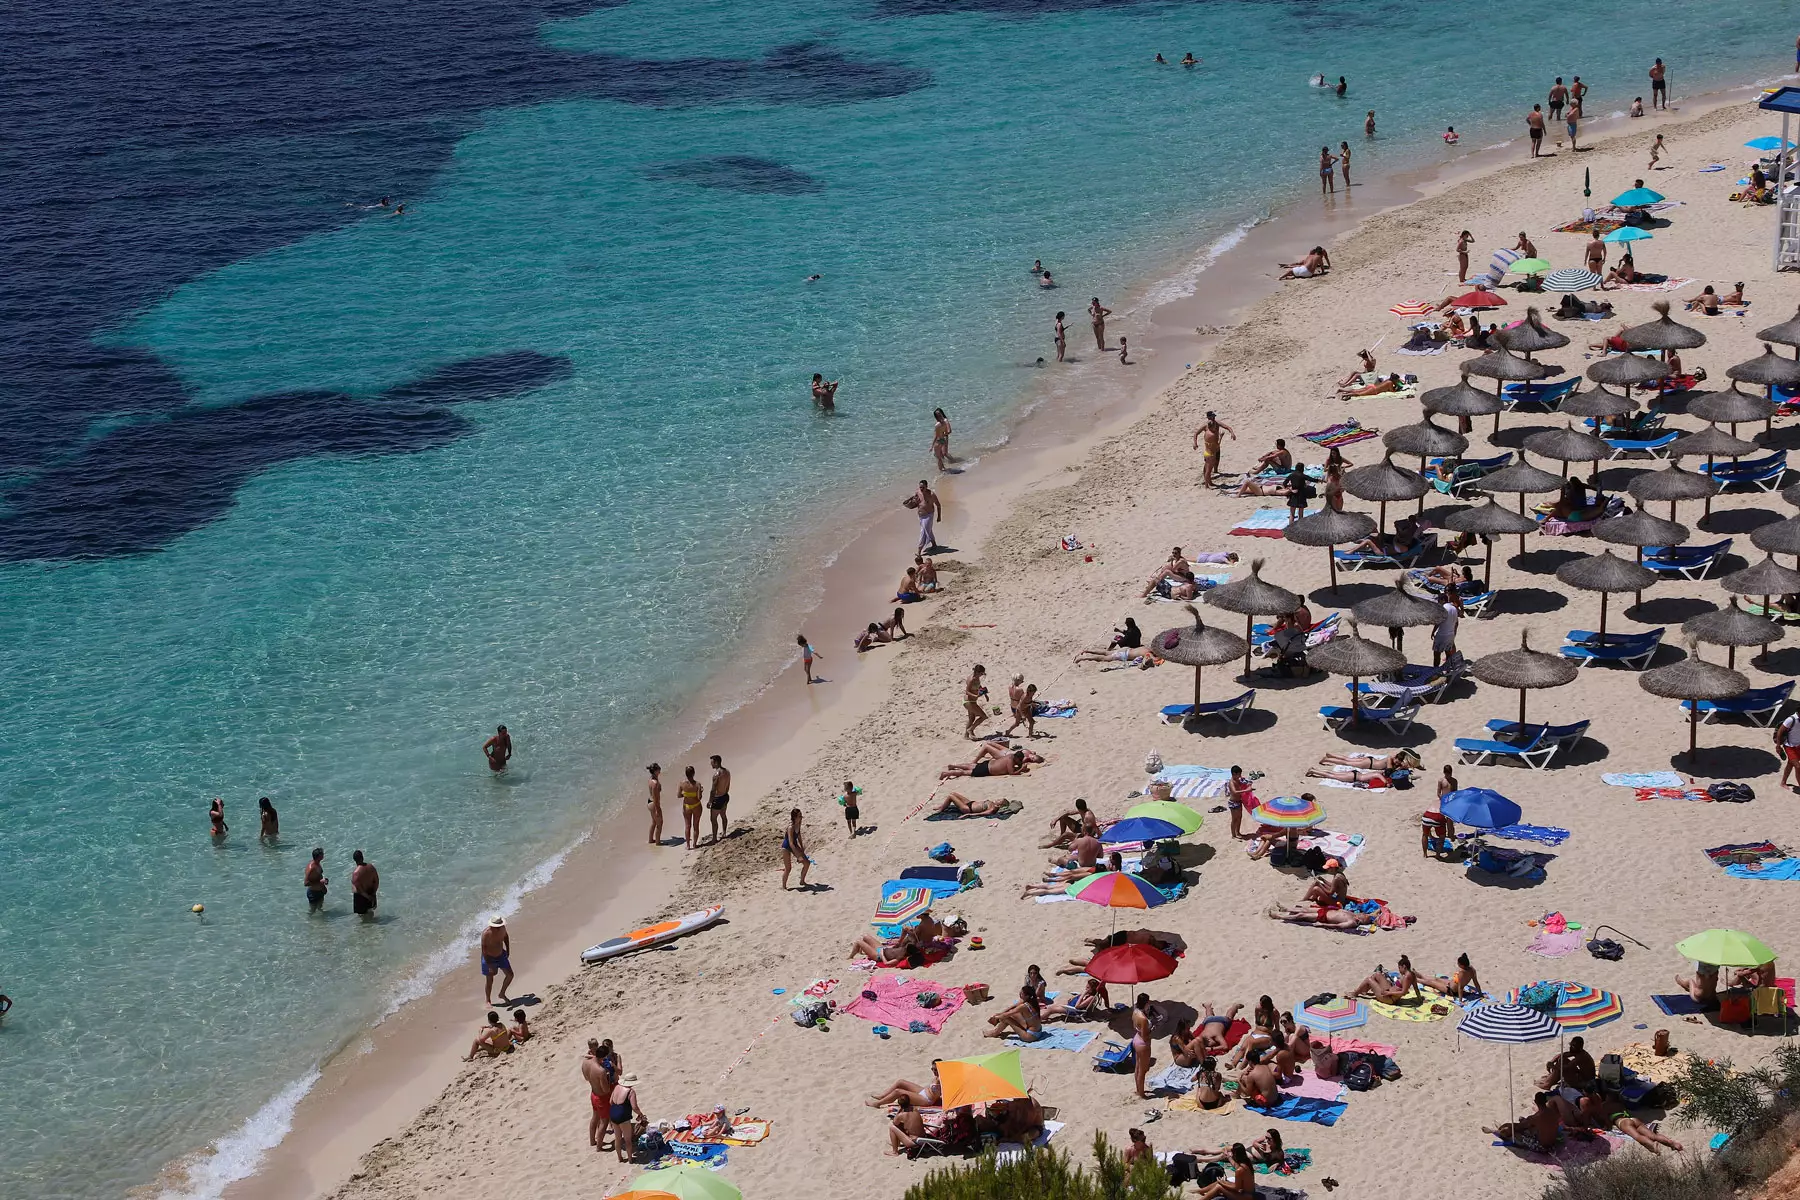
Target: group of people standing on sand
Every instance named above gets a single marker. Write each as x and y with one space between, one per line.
714 799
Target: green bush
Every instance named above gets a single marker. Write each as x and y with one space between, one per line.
1640 1177
1046 1174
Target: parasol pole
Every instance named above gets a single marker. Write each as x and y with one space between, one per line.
1196 690
1248 629
1521 706
1331 561
1603 618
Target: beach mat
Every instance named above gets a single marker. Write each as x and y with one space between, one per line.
1344 433
1058 1039
1265 522
1554 945
1303 1109
1643 779
1682 1005
1415 1011
896 1003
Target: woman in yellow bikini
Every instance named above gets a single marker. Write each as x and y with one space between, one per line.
691 792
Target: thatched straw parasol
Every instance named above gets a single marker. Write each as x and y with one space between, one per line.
1330 527
1783 537
1494 521
1732 627
1694 679
1767 369
1463 400
1766 578
1731 407
1382 482
1397 610
1506 367
1605 572
1672 484
1198 647
1786 334
1641 529
1425 438
1567 445
1521 477
1530 336
1598 402
1524 670
1662 333
1356 656
1712 442
1252 596
1792 494
1627 370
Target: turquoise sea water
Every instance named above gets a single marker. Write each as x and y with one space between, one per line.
576 560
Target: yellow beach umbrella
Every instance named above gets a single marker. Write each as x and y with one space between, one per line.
980 1079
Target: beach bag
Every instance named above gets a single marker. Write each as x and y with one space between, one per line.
910 502
1541 996
1324 1061
650 1147
1730 792
1606 948
1359 1077
1611 1070
1153 763
811 1013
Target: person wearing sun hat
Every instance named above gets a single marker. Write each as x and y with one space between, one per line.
496 959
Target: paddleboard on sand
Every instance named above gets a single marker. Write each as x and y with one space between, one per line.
652 935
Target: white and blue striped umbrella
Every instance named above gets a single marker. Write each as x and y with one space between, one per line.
1511 1023
1570 279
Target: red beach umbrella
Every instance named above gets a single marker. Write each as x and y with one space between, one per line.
1130 964
1478 299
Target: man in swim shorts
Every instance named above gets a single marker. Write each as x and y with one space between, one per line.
365 881
1534 125
1209 456
314 881
931 509
719 797
496 959
498 749
594 1069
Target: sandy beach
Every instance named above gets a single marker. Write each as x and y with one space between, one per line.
701 1023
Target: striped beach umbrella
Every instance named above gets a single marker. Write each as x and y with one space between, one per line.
1291 812
1179 815
1570 279
902 905
981 1079
1117 889
1411 308
1513 1025
1334 1016
1578 1006
1140 829
687 1181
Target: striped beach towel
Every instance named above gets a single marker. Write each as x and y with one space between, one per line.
1343 433
1265 522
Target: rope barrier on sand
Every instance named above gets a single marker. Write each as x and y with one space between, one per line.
739 1061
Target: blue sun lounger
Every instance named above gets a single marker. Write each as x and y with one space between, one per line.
1762 473
1689 562
1356 560
1655 446
1550 395
1467 471
1634 650
1397 719
1564 735
1761 705
1232 710
1535 752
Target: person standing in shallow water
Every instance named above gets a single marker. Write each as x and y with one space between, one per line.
940 438
1344 162
365 881
1098 314
216 814
656 816
498 749
312 878
271 821
1062 338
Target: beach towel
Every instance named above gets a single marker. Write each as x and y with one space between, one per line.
1265 522
1549 835
1782 869
1554 945
1313 1088
1668 285
1414 1010
1744 852
1007 1151
1683 1005
1572 1152
1303 1109
1644 779
711 1155
943 874
941 889
1174 1079
1343 1045
745 1131
1057 708
1202 583
1193 783
1294 1160
1058 1039
1345 847
1189 1104
896 1003
1671 793
1600 225
1344 433
1006 810
1058 898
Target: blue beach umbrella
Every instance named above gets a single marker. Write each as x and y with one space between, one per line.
1627 233
1140 829
1765 143
1480 808
1637 197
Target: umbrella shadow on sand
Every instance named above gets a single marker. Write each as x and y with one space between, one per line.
1543 562
1257 720
1527 601
1780 662
1347 594
1372 734
1513 436
1727 762
1785 438
1672 610
1507 883
1738 520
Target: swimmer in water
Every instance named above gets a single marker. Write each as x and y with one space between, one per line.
498 749
1450 138
1342 87
814 278
1037 266
1044 280
1189 60
824 394
399 210
217 815
1161 59
385 202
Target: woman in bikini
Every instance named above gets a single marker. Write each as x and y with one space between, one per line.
1597 1112
1023 1020
1141 1058
1266 1150
1376 769
974 692
965 807
1092 1002
1209 1085
1379 986
940 438
1296 1054
928 1096
992 759
1327 180
1239 798
1463 983
793 846
690 793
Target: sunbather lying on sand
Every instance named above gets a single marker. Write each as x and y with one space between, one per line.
1023 1020
1266 1150
1379 986
1379 388
1597 1112
1092 1001
1062 874
992 759
1314 914
1250 485
1463 982
928 1095
910 947
965 807
1136 655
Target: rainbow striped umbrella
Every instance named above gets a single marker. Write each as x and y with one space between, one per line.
1333 1016
1290 812
1578 1006
1411 308
1117 889
902 905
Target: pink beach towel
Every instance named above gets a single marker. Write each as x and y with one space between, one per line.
896 1003
1554 945
1314 1088
1341 1045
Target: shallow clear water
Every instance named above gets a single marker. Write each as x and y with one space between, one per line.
301 499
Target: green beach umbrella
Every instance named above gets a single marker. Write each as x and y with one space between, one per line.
1528 266
1725 948
689 1181
1175 813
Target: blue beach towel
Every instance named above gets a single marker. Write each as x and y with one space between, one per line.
1680 1005
1786 869
1304 1109
1059 1039
1052 709
1549 835
1644 779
